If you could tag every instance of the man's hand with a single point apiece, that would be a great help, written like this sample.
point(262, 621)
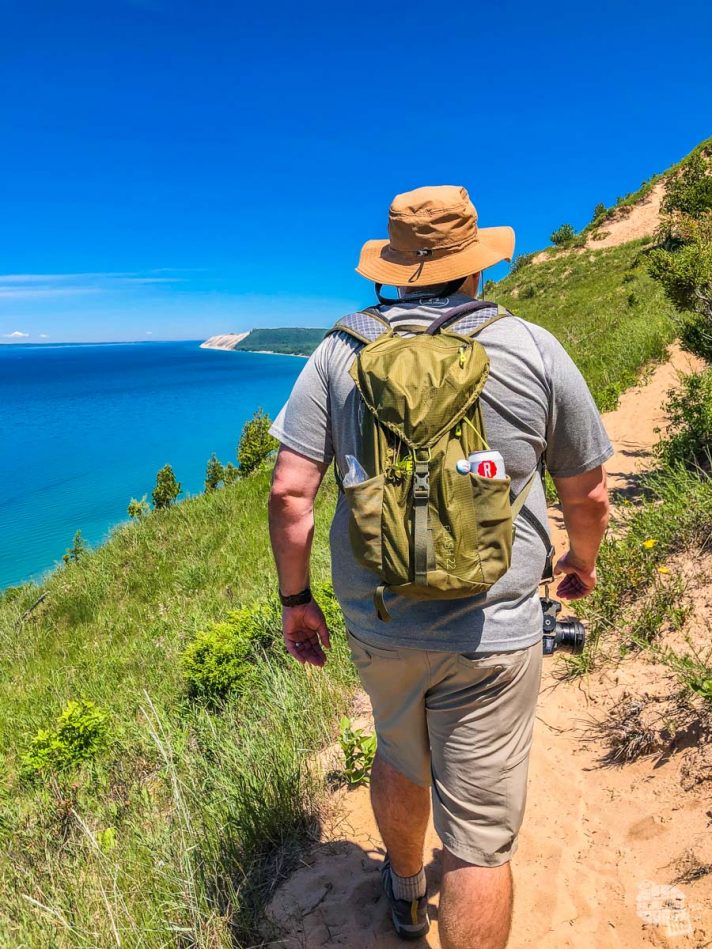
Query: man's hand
point(305, 632)
point(584, 503)
point(579, 581)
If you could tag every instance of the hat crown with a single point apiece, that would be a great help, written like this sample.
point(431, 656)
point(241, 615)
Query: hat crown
point(431, 219)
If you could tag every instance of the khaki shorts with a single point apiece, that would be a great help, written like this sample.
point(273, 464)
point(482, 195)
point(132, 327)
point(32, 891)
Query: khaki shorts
point(464, 726)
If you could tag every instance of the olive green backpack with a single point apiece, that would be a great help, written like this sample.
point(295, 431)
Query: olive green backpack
point(425, 530)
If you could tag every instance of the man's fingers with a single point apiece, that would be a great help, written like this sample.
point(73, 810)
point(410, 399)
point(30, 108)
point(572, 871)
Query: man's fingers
point(324, 636)
point(306, 650)
point(294, 650)
point(312, 652)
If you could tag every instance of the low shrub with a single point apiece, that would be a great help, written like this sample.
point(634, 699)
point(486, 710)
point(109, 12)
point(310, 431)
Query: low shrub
point(359, 751)
point(220, 659)
point(563, 235)
point(138, 509)
point(676, 514)
point(689, 410)
point(520, 261)
point(696, 335)
point(79, 734)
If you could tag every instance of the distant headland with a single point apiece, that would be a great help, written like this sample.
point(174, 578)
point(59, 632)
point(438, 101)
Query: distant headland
point(285, 341)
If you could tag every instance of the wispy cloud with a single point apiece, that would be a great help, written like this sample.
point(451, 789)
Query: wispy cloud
point(34, 293)
point(16, 335)
point(38, 286)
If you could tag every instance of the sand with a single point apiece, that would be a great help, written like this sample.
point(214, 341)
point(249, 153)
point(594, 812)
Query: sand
point(602, 847)
point(225, 341)
point(626, 224)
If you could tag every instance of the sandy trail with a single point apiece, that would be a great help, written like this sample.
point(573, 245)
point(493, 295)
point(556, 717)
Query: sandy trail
point(599, 845)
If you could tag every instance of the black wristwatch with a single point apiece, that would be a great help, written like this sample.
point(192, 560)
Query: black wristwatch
point(296, 599)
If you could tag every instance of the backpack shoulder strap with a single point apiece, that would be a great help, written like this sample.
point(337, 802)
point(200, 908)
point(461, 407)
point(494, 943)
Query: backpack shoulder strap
point(474, 322)
point(364, 325)
point(518, 503)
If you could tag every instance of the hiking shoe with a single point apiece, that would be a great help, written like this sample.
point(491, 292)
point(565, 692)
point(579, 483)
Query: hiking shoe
point(410, 917)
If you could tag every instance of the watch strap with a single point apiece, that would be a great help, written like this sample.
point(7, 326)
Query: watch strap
point(296, 599)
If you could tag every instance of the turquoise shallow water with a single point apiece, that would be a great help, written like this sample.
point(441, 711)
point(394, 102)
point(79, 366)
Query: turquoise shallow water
point(85, 428)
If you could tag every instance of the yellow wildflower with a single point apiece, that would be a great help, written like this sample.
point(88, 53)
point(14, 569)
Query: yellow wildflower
point(649, 543)
point(663, 570)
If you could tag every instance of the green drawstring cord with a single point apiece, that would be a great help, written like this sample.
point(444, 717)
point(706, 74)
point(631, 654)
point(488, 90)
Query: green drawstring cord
point(477, 432)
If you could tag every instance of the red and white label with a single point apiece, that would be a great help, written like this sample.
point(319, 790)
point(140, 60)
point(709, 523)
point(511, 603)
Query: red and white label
point(487, 469)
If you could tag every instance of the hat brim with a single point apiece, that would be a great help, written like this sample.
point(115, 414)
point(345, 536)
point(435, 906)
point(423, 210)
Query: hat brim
point(493, 245)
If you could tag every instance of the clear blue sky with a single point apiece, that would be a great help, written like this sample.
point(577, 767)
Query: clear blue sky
point(171, 169)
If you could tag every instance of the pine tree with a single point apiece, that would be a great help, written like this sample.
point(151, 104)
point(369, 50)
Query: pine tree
point(256, 443)
point(77, 550)
point(167, 488)
point(214, 473)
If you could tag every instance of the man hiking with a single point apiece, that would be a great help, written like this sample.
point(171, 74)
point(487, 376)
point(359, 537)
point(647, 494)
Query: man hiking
point(439, 411)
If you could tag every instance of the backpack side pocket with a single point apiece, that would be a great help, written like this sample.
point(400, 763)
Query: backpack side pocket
point(365, 501)
point(493, 512)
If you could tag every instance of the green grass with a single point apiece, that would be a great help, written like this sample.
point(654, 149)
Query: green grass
point(635, 592)
point(180, 826)
point(603, 306)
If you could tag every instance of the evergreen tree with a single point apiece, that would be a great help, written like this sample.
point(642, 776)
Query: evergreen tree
point(214, 473)
point(563, 235)
point(77, 550)
point(231, 473)
point(598, 211)
point(167, 488)
point(256, 443)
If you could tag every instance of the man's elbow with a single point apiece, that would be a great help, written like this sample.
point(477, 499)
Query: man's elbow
point(287, 497)
point(600, 502)
point(587, 492)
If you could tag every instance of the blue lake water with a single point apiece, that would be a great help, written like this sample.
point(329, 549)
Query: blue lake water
point(83, 428)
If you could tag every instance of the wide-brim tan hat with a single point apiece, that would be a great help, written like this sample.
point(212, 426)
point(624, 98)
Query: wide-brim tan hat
point(433, 238)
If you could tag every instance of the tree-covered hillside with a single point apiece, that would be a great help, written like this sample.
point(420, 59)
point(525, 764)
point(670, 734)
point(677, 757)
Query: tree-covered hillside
point(290, 340)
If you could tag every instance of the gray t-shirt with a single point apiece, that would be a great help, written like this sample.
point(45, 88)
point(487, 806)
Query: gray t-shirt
point(535, 403)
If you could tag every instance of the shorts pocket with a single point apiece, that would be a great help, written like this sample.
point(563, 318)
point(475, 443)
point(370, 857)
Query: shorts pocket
point(366, 652)
point(493, 661)
point(365, 501)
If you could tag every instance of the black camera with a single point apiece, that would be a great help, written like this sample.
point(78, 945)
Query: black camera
point(568, 632)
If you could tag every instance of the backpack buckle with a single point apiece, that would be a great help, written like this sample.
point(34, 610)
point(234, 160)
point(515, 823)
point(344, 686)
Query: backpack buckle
point(421, 481)
point(421, 474)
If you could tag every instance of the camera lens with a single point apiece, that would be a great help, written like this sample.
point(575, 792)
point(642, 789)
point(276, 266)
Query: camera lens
point(571, 633)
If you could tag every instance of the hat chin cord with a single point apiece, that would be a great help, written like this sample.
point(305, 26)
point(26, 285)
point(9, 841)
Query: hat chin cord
point(445, 290)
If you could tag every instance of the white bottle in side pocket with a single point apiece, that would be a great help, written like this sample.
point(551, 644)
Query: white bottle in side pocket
point(487, 464)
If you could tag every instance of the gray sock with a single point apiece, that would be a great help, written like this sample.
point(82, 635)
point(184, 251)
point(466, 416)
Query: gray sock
point(409, 888)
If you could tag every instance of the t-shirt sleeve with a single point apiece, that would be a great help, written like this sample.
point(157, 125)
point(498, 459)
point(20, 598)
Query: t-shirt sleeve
point(304, 422)
point(576, 440)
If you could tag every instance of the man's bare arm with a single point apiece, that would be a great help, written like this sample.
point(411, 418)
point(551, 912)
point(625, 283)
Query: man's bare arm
point(295, 483)
point(585, 506)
